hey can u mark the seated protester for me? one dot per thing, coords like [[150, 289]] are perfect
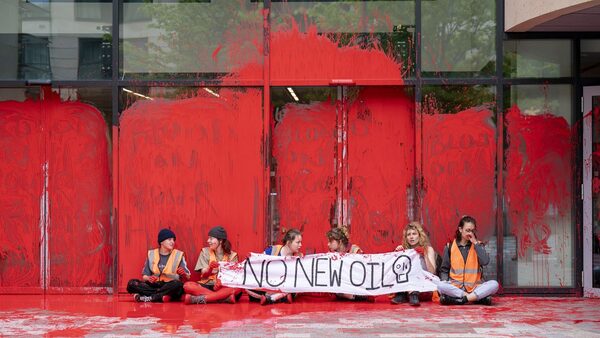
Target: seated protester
[[461, 268], [415, 237], [208, 289], [339, 241], [292, 242], [163, 271]]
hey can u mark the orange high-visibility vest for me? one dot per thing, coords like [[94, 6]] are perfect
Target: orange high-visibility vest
[[213, 258], [169, 273], [464, 274]]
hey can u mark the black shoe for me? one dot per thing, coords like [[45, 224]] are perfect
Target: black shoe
[[400, 298], [359, 298], [448, 300], [485, 301], [413, 299], [266, 300]]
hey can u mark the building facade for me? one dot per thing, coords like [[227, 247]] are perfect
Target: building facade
[[118, 118]]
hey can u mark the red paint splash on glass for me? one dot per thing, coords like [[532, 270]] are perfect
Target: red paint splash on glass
[[381, 142], [458, 172], [303, 148], [538, 184], [55, 155], [21, 191], [79, 189], [191, 164], [328, 61]]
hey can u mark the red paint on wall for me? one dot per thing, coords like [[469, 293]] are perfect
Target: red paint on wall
[[54, 158], [381, 140], [328, 62], [538, 176], [459, 159], [189, 165], [303, 148], [79, 186], [21, 190]]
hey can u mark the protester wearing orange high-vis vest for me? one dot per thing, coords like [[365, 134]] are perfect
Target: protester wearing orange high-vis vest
[[460, 272], [208, 289], [163, 271]]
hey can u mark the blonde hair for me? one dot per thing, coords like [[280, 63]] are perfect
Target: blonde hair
[[423, 238], [339, 234]]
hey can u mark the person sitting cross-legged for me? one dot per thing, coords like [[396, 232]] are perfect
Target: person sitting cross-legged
[[460, 272], [163, 272]]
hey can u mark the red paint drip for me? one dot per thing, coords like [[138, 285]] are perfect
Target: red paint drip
[[538, 185]]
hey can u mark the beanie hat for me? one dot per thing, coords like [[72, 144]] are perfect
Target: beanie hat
[[218, 232], [165, 234]]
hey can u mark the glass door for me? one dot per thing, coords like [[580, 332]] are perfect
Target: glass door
[[591, 191], [342, 156]]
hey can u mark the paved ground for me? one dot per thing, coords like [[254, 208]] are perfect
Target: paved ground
[[307, 317]]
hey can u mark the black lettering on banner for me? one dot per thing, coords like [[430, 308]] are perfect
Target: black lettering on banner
[[383, 285], [372, 287], [284, 274], [335, 275], [402, 266], [308, 279], [317, 271], [364, 273], [248, 264]]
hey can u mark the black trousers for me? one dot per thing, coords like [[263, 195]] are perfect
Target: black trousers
[[156, 290]]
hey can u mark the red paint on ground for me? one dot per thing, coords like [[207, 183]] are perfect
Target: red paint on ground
[[538, 184], [381, 141], [189, 165], [303, 148], [21, 189], [459, 160], [509, 316]]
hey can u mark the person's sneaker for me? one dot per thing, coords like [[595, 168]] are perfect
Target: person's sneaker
[[166, 298], [189, 299], [288, 298], [142, 299], [485, 300], [413, 299], [399, 298], [448, 300], [229, 300], [265, 299]]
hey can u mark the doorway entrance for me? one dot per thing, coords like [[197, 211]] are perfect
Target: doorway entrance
[[591, 191], [342, 156]]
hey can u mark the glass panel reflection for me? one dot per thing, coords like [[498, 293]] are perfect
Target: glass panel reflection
[[56, 40]]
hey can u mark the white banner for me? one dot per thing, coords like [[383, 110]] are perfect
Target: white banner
[[357, 274]]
